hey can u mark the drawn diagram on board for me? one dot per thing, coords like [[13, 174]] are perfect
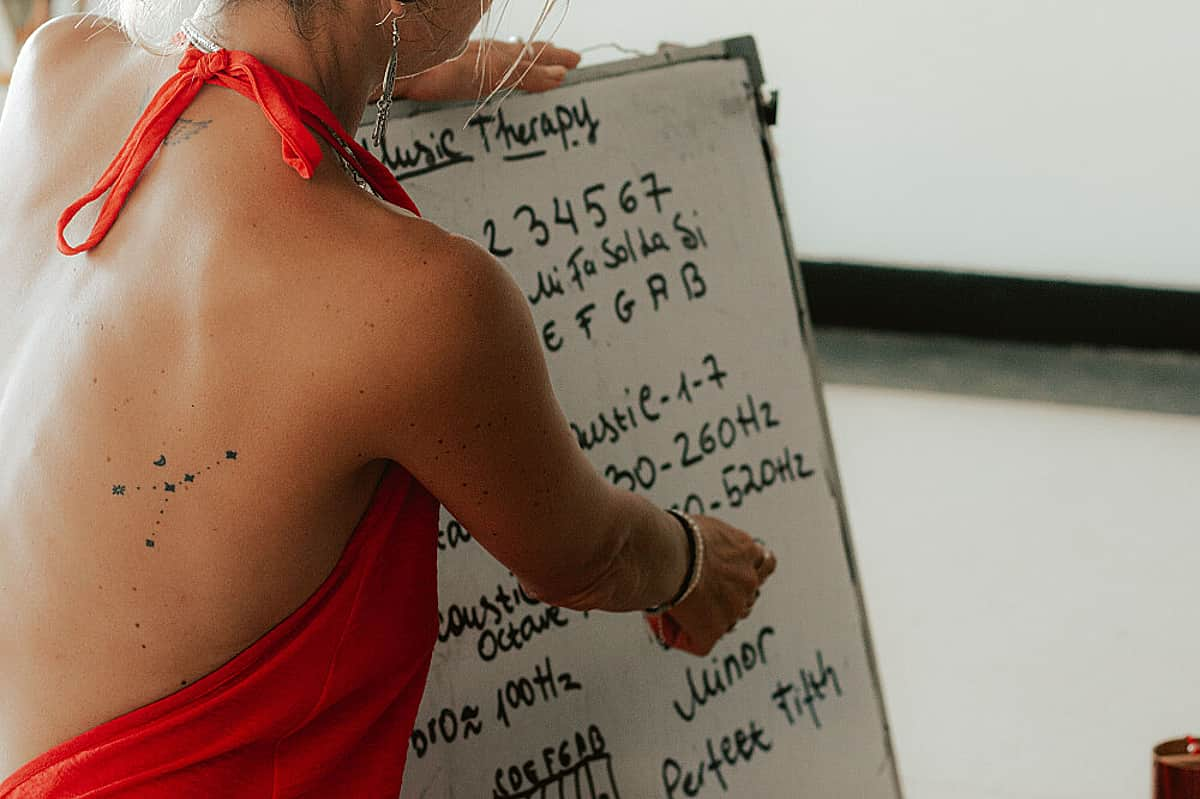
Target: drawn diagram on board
[[577, 768], [590, 778]]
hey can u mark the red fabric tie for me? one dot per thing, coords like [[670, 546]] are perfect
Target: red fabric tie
[[292, 108]]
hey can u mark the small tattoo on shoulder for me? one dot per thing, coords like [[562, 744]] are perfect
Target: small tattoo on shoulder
[[185, 129]]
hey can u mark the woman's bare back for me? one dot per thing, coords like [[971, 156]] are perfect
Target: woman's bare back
[[194, 415], [181, 463]]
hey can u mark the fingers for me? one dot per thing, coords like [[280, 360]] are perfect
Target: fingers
[[765, 565], [540, 65], [544, 53], [542, 78], [750, 605], [552, 55]]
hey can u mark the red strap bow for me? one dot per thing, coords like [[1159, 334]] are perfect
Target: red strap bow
[[292, 108], [204, 65]]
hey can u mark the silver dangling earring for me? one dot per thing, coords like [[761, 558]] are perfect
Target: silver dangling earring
[[384, 104]]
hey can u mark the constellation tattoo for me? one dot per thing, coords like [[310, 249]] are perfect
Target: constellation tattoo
[[119, 489]]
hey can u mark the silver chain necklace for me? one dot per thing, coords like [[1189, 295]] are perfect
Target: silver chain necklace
[[204, 44]]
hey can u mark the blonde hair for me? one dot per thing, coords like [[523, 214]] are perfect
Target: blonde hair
[[480, 60], [153, 25]]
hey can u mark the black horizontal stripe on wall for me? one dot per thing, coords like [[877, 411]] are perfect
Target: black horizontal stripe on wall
[[1000, 307]]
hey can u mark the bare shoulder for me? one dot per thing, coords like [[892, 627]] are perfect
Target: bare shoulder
[[438, 275], [437, 306], [60, 40], [73, 62], [450, 289]]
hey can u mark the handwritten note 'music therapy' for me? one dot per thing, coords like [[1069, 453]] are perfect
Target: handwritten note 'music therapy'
[[636, 212]]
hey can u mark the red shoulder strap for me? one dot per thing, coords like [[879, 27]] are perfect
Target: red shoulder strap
[[292, 108]]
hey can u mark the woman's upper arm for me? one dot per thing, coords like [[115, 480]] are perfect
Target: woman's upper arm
[[464, 402]]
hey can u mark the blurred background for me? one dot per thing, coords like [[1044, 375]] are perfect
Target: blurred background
[[1024, 495], [1031, 137]]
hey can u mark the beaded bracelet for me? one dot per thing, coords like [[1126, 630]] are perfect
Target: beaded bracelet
[[695, 563]]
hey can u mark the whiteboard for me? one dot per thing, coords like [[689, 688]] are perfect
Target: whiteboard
[[637, 210]]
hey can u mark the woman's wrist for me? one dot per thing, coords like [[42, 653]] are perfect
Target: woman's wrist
[[695, 564]]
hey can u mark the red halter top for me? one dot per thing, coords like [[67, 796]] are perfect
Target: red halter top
[[323, 704]]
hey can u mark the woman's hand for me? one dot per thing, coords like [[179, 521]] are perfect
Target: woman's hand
[[458, 79], [735, 567]]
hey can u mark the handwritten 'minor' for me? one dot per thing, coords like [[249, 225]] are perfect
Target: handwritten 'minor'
[[725, 675]]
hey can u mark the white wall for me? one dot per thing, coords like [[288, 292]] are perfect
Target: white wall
[[1039, 137], [1030, 574]]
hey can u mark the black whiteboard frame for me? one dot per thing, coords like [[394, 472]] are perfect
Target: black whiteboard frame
[[745, 49]]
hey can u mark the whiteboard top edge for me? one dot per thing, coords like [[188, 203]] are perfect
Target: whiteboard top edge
[[667, 56]]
